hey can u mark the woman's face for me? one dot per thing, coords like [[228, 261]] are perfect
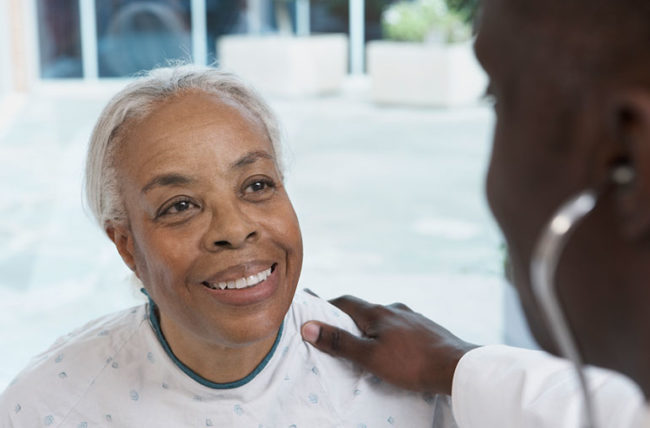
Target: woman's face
[[211, 231]]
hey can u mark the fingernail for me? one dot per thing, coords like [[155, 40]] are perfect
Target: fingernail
[[310, 332]]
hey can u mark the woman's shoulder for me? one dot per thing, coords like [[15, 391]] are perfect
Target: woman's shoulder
[[56, 378], [319, 366], [105, 333], [307, 307], [358, 397]]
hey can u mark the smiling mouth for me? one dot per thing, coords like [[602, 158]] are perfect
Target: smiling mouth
[[243, 282]]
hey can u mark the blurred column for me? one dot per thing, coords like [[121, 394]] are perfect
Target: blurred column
[[88, 21], [5, 44], [357, 30], [18, 45], [302, 18], [254, 16], [199, 32]]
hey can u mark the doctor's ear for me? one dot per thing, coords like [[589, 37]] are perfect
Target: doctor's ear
[[630, 172], [122, 237]]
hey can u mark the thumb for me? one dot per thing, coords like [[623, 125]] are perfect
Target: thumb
[[337, 342]]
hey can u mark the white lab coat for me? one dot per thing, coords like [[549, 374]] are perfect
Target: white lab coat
[[502, 386]]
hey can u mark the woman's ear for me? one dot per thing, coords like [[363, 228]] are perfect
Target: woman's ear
[[123, 239], [632, 189]]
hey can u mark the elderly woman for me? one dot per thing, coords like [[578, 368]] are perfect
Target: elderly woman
[[183, 174]]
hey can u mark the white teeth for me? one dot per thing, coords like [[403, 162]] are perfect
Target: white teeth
[[242, 282], [263, 275]]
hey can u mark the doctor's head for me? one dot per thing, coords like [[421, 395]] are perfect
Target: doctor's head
[[184, 175], [571, 82]]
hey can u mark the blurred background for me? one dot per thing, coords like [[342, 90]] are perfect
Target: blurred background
[[387, 139]]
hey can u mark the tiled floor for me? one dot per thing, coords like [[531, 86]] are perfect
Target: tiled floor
[[390, 202]]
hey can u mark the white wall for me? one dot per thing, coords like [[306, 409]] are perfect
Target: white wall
[[5, 51]]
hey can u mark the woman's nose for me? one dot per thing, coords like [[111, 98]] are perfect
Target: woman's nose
[[230, 228]]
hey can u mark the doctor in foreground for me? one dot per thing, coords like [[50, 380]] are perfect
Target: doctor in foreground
[[569, 183]]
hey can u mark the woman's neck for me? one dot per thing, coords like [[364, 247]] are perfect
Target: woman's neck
[[217, 363]]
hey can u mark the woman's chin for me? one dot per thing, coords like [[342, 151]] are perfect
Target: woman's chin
[[256, 333], [243, 328]]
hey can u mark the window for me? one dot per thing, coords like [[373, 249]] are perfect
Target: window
[[223, 17], [139, 35], [59, 38]]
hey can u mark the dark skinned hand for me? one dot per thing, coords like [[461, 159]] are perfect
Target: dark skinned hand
[[398, 345]]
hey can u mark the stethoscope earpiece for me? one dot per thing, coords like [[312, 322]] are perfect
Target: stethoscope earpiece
[[623, 174]]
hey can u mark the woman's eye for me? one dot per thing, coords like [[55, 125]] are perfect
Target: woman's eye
[[259, 188], [178, 207]]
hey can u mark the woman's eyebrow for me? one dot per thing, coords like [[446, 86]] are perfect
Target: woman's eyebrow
[[167, 180], [250, 158]]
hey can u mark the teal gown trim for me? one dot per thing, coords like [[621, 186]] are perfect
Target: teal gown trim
[[191, 373]]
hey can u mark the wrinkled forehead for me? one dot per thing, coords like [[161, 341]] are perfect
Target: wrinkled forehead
[[179, 128], [181, 111], [186, 104]]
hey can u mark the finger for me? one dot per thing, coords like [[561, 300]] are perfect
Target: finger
[[337, 342], [308, 291], [362, 312]]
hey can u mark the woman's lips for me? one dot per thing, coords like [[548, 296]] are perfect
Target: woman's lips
[[247, 295], [242, 282]]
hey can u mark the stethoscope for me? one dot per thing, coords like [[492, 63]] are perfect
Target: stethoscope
[[544, 261]]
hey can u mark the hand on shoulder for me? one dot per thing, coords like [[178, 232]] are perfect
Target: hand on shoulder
[[400, 346]]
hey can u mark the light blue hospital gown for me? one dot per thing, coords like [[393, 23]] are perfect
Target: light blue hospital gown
[[116, 372]]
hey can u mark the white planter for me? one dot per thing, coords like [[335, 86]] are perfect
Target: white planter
[[422, 74], [287, 65]]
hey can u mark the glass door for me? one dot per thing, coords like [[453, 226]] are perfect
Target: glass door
[[136, 35], [59, 39]]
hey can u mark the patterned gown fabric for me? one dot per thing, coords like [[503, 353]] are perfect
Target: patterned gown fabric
[[117, 371]]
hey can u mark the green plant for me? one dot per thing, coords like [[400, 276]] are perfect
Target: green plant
[[424, 20], [467, 9]]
